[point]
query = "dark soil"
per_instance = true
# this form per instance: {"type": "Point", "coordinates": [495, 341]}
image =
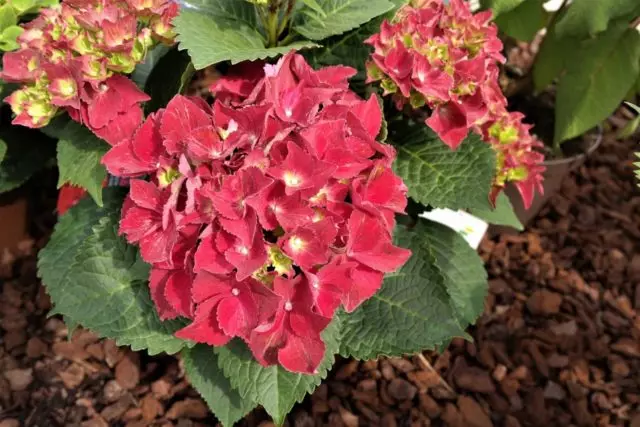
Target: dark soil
{"type": "Point", "coordinates": [558, 344]}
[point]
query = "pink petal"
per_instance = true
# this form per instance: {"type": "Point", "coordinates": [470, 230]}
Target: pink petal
{"type": "Point", "coordinates": [238, 314]}
{"type": "Point", "coordinates": [209, 259]}
{"type": "Point", "coordinates": [449, 122]}
{"type": "Point", "coordinates": [205, 328]}
{"type": "Point", "coordinates": [157, 281]}
{"type": "Point", "coordinates": [301, 354]}
{"type": "Point", "coordinates": [370, 114]}
{"type": "Point", "coordinates": [177, 291]}
{"type": "Point", "coordinates": [366, 282]}
{"type": "Point", "coordinates": [181, 117]}
{"type": "Point", "coordinates": [369, 244]}
{"type": "Point", "coordinates": [146, 195]}
{"type": "Point", "coordinates": [138, 223]}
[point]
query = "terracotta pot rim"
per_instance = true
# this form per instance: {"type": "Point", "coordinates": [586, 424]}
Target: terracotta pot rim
{"type": "Point", "coordinates": [595, 143]}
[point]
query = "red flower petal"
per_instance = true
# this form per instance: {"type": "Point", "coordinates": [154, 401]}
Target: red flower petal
{"type": "Point", "coordinates": [181, 117]}
{"type": "Point", "coordinates": [368, 244]}
{"type": "Point", "coordinates": [205, 328]}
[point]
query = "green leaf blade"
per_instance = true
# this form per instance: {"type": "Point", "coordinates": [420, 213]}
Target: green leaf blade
{"type": "Point", "coordinates": [201, 366]}
{"type": "Point", "coordinates": [143, 70]}
{"type": "Point", "coordinates": [588, 17]}
{"type": "Point", "coordinates": [498, 7]}
{"type": "Point", "coordinates": [503, 214]}
{"type": "Point", "coordinates": [79, 155]}
{"type": "Point", "coordinates": [27, 151]}
{"type": "Point", "coordinates": [339, 16]}
{"type": "Point", "coordinates": [104, 288]}
{"type": "Point", "coordinates": [276, 389]}
{"type": "Point", "coordinates": [554, 55]}
{"type": "Point", "coordinates": [439, 176]}
{"type": "Point", "coordinates": [593, 87]}
{"type": "Point", "coordinates": [171, 76]}
{"type": "Point", "coordinates": [3, 150]}
{"type": "Point", "coordinates": [225, 33]}
{"type": "Point", "coordinates": [524, 21]}
{"type": "Point", "coordinates": [435, 295]}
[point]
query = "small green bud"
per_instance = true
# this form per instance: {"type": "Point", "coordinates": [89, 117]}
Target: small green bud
{"type": "Point", "coordinates": [166, 177]}
{"type": "Point", "coordinates": [417, 100]}
{"type": "Point", "coordinates": [517, 174]}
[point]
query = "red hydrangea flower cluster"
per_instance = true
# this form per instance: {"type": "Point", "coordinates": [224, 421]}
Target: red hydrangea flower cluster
{"type": "Point", "coordinates": [266, 212]}
{"type": "Point", "coordinates": [71, 58]}
{"type": "Point", "coordinates": [444, 57]}
{"type": "Point", "coordinates": [518, 155]}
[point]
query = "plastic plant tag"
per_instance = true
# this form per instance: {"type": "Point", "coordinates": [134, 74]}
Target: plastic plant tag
{"type": "Point", "coordinates": [470, 227]}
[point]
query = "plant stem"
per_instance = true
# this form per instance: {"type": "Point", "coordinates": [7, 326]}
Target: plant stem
{"type": "Point", "coordinates": [263, 19]}
{"type": "Point", "coordinates": [285, 41]}
{"type": "Point", "coordinates": [556, 15]}
{"type": "Point", "coordinates": [556, 149]}
{"type": "Point", "coordinates": [286, 20]}
{"type": "Point", "coordinates": [272, 28]}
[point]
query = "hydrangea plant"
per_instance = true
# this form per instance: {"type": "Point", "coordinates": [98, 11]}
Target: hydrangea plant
{"type": "Point", "coordinates": [11, 13]}
{"type": "Point", "coordinates": [263, 233]}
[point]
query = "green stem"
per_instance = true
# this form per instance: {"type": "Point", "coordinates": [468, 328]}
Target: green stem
{"type": "Point", "coordinates": [286, 20]}
{"type": "Point", "coordinates": [288, 39]}
{"type": "Point", "coordinates": [557, 150]}
{"type": "Point", "coordinates": [187, 76]}
{"type": "Point", "coordinates": [263, 19]}
{"type": "Point", "coordinates": [272, 28]}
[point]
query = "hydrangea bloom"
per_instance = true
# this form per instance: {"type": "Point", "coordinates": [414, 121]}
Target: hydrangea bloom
{"type": "Point", "coordinates": [266, 212]}
{"type": "Point", "coordinates": [518, 155]}
{"type": "Point", "coordinates": [70, 58]}
{"type": "Point", "coordinates": [439, 55]}
{"type": "Point", "coordinates": [444, 57]}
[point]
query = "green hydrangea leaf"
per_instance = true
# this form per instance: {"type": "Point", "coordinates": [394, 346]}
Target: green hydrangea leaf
{"type": "Point", "coordinates": [275, 388]}
{"type": "Point", "coordinates": [554, 55]}
{"type": "Point", "coordinates": [439, 176]}
{"type": "Point", "coordinates": [8, 38]}
{"type": "Point", "coordinates": [27, 151]}
{"type": "Point", "coordinates": [421, 306]}
{"type": "Point", "coordinates": [28, 6]}
{"type": "Point", "coordinates": [464, 274]}
{"type": "Point", "coordinates": [55, 260]}
{"type": "Point", "coordinates": [503, 214]}
{"type": "Point", "coordinates": [346, 49]}
{"type": "Point", "coordinates": [332, 17]}
{"type": "Point", "coordinates": [170, 77]}
{"type": "Point", "coordinates": [79, 155]}
{"type": "Point", "coordinates": [524, 21]}
{"type": "Point", "coordinates": [3, 150]}
{"type": "Point", "coordinates": [143, 70]}
{"type": "Point", "coordinates": [201, 366]}
{"type": "Point", "coordinates": [594, 85]}
{"type": "Point", "coordinates": [588, 17]}
{"type": "Point", "coordinates": [225, 30]}
{"type": "Point", "coordinates": [430, 300]}
{"type": "Point", "coordinates": [8, 17]}
{"type": "Point", "coordinates": [97, 280]}
{"type": "Point", "coordinates": [499, 7]}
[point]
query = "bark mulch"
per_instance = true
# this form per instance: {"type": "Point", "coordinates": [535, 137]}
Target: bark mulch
{"type": "Point", "coordinates": [558, 344]}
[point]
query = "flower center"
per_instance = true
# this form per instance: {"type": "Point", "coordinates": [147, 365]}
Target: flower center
{"type": "Point", "coordinates": [291, 179]}
{"type": "Point", "coordinates": [296, 244]}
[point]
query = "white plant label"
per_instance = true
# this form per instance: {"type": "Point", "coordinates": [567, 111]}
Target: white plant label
{"type": "Point", "coordinates": [470, 227]}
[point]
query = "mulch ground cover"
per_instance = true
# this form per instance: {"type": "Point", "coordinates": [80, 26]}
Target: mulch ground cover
{"type": "Point", "coordinates": [558, 344]}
